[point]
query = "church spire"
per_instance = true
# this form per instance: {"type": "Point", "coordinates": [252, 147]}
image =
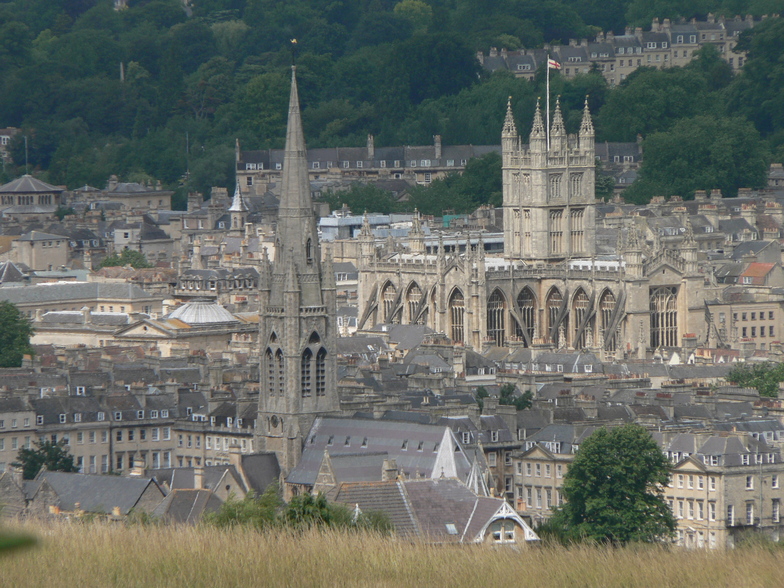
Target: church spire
{"type": "Point", "coordinates": [538, 138]}
{"type": "Point", "coordinates": [296, 233]}
{"type": "Point", "coordinates": [586, 127]}
{"type": "Point", "coordinates": [509, 130]}
{"type": "Point", "coordinates": [587, 136]}
{"type": "Point", "coordinates": [296, 223]}
{"type": "Point", "coordinates": [238, 203]}
{"type": "Point", "coordinates": [558, 128]}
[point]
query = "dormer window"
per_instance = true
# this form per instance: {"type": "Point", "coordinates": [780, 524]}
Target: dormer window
{"type": "Point", "coordinates": [309, 251]}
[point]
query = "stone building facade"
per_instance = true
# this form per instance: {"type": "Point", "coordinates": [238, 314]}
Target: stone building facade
{"type": "Point", "coordinates": [550, 289]}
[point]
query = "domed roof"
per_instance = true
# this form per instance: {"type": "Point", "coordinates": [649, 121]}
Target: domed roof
{"type": "Point", "coordinates": [202, 312]}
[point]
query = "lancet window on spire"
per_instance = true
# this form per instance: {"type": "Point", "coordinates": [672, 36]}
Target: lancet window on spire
{"type": "Point", "coordinates": [272, 380]}
{"type": "Point", "coordinates": [321, 372]}
{"type": "Point", "coordinates": [305, 372]}
{"type": "Point", "coordinates": [280, 364]}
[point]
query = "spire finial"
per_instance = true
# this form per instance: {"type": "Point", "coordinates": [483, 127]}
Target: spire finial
{"type": "Point", "coordinates": [538, 127]}
{"type": "Point", "coordinates": [558, 123]}
{"type": "Point", "coordinates": [509, 130]}
{"type": "Point", "coordinates": [586, 127]}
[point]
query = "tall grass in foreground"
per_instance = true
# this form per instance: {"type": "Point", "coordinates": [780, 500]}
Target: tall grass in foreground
{"type": "Point", "coordinates": [85, 555]}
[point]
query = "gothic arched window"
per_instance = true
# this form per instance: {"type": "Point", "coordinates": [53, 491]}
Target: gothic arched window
{"type": "Point", "coordinates": [280, 364]}
{"type": "Point", "coordinates": [554, 302]}
{"type": "Point", "coordinates": [556, 231]}
{"type": "Point", "coordinates": [305, 368]}
{"type": "Point", "coordinates": [664, 317]}
{"type": "Point", "coordinates": [606, 309]}
{"type": "Point", "coordinates": [413, 298]}
{"type": "Point", "coordinates": [309, 251]}
{"type": "Point", "coordinates": [388, 295]}
{"type": "Point", "coordinates": [457, 316]}
{"type": "Point", "coordinates": [272, 379]}
{"type": "Point", "coordinates": [579, 308]}
{"type": "Point", "coordinates": [526, 305]}
{"type": "Point", "coordinates": [576, 230]}
{"type": "Point", "coordinates": [321, 372]}
{"type": "Point", "coordinates": [496, 309]}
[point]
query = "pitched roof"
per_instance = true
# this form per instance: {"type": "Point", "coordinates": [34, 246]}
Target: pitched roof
{"type": "Point", "coordinates": [187, 506]}
{"type": "Point", "coordinates": [27, 184]}
{"type": "Point", "coordinates": [96, 493]}
{"type": "Point", "coordinates": [386, 497]}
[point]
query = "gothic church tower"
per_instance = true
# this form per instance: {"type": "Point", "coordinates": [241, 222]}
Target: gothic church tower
{"type": "Point", "coordinates": [297, 326]}
{"type": "Point", "coordinates": [549, 210]}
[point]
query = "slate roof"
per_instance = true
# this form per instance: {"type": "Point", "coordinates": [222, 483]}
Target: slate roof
{"type": "Point", "coordinates": [95, 493]}
{"type": "Point", "coordinates": [358, 467]}
{"type": "Point", "coordinates": [261, 470]}
{"type": "Point", "coordinates": [27, 184]}
{"type": "Point", "coordinates": [187, 506]}
{"type": "Point", "coordinates": [386, 497]}
{"type": "Point", "coordinates": [342, 436]}
{"type": "Point", "coordinates": [67, 291]}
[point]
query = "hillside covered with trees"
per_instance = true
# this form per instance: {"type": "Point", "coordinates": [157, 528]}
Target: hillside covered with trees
{"type": "Point", "coordinates": [159, 90]}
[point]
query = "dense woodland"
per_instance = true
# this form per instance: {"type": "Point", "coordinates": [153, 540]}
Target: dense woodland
{"type": "Point", "coordinates": [155, 91]}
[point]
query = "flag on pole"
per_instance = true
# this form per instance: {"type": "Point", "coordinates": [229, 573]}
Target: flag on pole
{"type": "Point", "coordinates": [553, 64]}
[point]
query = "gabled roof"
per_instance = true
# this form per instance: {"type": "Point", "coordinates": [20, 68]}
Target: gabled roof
{"type": "Point", "coordinates": [187, 506]}
{"type": "Point", "coordinates": [99, 494]}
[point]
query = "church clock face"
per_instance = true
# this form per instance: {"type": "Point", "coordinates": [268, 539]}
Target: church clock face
{"type": "Point", "coordinates": [274, 421]}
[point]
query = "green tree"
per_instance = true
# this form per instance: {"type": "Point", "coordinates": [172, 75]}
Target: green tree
{"type": "Point", "coordinates": [135, 259]}
{"type": "Point", "coordinates": [509, 397]}
{"type": "Point", "coordinates": [362, 197]}
{"type": "Point", "coordinates": [52, 455]}
{"type": "Point", "coordinates": [259, 512]}
{"type": "Point", "coordinates": [765, 377]}
{"type": "Point", "coordinates": [15, 332]}
{"type": "Point", "coordinates": [480, 395]}
{"type": "Point", "coordinates": [651, 100]}
{"type": "Point", "coordinates": [701, 153]}
{"type": "Point", "coordinates": [481, 180]}
{"type": "Point", "coordinates": [416, 12]}
{"type": "Point", "coordinates": [614, 489]}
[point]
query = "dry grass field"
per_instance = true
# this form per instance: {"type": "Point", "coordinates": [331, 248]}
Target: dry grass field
{"type": "Point", "coordinates": [86, 555]}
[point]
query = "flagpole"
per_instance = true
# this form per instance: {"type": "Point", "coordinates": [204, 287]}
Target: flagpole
{"type": "Point", "coordinates": [547, 104]}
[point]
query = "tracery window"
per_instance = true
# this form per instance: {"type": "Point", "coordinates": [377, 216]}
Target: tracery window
{"type": "Point", "coordinates": [457, 316]}
{"type": "Point", "coordinates": [496, 309]}
{"type": "Point", "coordinates": [664, 317]}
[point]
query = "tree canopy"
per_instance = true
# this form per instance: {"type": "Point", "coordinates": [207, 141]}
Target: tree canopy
{"type": "Point", "coordinates": [99, 92]}
{"type": "Point", "coordinates": [136, 259]}
{"type": "Point", "coordinates": [614, 489]}
{"type": "Point", "coordinates": [15, 332]}
{"type": "Point", "coordinates": [765, 377]}
{"type": "Point", "coordinates": [304, 511]}
{"type": "Point", "coordinates": [54, 456]}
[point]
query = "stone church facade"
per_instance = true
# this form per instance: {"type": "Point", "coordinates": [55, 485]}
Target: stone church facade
{"type": "Point", "coordinates": [550, 289]}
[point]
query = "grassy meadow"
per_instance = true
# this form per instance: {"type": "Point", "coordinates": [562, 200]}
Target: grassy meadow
{"type": "Point", "coordinates": [86, 555]}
